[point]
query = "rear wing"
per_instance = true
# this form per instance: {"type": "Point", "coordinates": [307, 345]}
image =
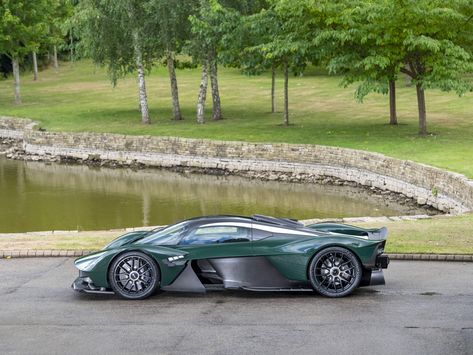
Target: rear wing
{"type": "Point", "coordinates": [340, 228]}
{"type": "Point", "coordinates": [378, 234]}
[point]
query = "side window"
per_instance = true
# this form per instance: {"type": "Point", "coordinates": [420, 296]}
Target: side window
{"type": "Point", "coordinates": [259, 234]}
{"type": "Point", "coordinates": [217, 234]}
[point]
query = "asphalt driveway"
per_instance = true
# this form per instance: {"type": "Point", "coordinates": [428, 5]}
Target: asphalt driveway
{"type": "Point", "coordinates": [425, 308]}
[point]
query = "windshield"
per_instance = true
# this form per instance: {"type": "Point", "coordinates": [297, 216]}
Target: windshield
{"type": "Point", "coordinates": [166, 236]}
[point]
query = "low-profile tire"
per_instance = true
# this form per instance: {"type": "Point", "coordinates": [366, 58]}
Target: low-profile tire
{"type": "Point", "coordinates": [335, 272]}
{"type": "Point", "coordinates": [134, 275]}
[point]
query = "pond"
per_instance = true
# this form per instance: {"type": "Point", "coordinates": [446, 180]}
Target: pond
{"type": "Point", "coordinates": [37, 197]}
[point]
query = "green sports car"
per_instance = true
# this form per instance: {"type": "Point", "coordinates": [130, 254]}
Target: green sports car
{"type": "Point", "coordinates": [257, 253]}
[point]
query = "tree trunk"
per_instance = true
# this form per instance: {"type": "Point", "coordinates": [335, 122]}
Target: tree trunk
{"type": "Point", "coordinates": [422, 113]}
{"type": "Point", "coordinates": [55, 63]}
{"type": "Point", "coordinates": [143, 98]}
{"type": "Point", "coordinates": [176, 109]}
{"type": "Point", "coordinates": [286, 94]}
{"type": "Point", "coordinates": [16, 79]}
{"type": "Point", "coordinates": [216, 107]}
{"type": "Point", "coordinates": [202, 95]}
{"type": "Point", "coordinates": [392, 103]}
{"type": "Point", "coordinates": [71, 46]}
{"type": "Point", "coordinates": [273, 88]}
{"type": "Point", "coordinates": [35, 67]}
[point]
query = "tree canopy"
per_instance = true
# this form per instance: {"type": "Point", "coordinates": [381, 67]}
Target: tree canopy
{"type": "Point", "coordinates": [368, 43]}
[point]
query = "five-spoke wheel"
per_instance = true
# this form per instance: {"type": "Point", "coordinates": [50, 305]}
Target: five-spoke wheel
{"type": "Point", "coordinates": [134, 275]}
{"type": "Point", "coordinates": [335, 272]}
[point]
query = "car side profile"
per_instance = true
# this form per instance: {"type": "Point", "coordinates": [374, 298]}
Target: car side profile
{"type": "Point", "coordinates": [257, 253]}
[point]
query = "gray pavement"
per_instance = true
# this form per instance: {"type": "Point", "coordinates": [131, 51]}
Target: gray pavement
{"type": "Point", "coordinates": [425, 308]}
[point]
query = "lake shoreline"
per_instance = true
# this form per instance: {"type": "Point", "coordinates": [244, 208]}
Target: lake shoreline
{"type": "Point", "coordinates": [13, 150]}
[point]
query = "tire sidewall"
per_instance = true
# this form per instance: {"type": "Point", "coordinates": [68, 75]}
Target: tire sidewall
{"type": "Point", "coordinates": [155, 270]}
{"type": "Point", "coordinates": [321, 290]}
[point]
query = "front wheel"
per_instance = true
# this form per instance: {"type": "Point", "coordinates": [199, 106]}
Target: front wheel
{"type": "Point", "coordinates": [134, 275]}
{"type": "Point", "coordinates": [335, 272]}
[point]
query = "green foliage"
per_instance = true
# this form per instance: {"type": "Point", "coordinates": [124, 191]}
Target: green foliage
{"type": "Point", "coordinates": [206, 30]}
{"type": "Point", "coordinates": [23, 25]}
{"type": "Point", "coordinates": [110, 32]}
{"type": "Point", "coordinates": [170, 22]}
{"type": "Point", "coordinates": [275, 40]}
{"type": "Point", "coordinates": [373, 41]}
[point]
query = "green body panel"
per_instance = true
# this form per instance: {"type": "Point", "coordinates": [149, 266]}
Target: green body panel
{"type": "Point", "coordinates": [289, 254]}
{"type": "Point", "coordinates": [99, 273]}
{"type": "Point", "coordinates": [292, 255]}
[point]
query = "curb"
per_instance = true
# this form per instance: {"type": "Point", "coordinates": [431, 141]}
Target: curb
{"type": "Point", "coordinates": [31, 253]}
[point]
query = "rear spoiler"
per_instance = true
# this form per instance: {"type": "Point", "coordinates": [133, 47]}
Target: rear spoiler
{"type": "Point", "coordinates": [378, 234]}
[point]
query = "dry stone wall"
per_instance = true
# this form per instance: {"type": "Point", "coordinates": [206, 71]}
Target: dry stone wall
{"type": "Point", "coordinates": [444, 190]}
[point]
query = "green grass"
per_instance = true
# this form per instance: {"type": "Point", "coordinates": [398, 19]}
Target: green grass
{"type": "Point", "coordinates": [440, 235]}
{"type": "Point", "coordinates": [80, 98]}
{"type": "Point", "coordinates": [443, 235]}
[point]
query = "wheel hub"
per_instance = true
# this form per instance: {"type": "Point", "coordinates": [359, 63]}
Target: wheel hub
{"type": "Point", "coordinates": [335, 271]}
{"type": "Point", "coordinates": [134, 275]}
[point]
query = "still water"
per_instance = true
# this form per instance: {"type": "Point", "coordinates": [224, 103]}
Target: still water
{"type": "Point", "coordinates": [36, 197]}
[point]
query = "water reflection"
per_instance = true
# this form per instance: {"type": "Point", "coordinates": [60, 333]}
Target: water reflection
{"type": "Point", "coordinates": [37, 196]}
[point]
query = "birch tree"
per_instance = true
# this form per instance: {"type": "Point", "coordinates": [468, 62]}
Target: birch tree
{"type": "Point", "coordinates": [115, 33]}
{"type": "Point", "coordinates": [205, 39]}
{"type": "Point", "coordinates": [22, 26]}
{"type": "Point", "coordinates": [171, 28]}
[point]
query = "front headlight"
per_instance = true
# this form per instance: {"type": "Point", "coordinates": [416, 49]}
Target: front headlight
{"type": "Point", "coordinates": [87, 263]}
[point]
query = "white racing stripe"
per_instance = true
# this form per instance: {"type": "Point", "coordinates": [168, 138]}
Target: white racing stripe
{"type": "Point", "coordinates": [270, 229]}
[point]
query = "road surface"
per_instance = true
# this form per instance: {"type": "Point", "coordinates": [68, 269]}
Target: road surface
{"type": "Point", "coordinates": [425, 308]}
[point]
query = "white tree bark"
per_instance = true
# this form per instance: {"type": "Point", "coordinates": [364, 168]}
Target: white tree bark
{"type": "Point", "coordinates": [16, 79]}
{"type": "Point", "coordinates": [35, 67]}
{"type": "Point", "coordinates": [216, 106]}
{"type": "Point", "coordinates": [55, 62]}
{"type": "Point", "coordinates": [143, 97]}
{"type": "Point", "coordinates": [176, 109]}
{"type": "Point", "coordinates": [202, 95]}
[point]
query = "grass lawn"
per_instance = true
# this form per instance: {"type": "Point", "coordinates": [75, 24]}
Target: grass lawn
{"type": "Point", "coordinates": [453, 235]}
{"type": "Point", "coordinates": [80, 98]}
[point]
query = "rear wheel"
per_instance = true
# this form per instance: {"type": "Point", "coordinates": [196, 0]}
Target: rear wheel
{"type": "Point", "coordinates": [134, 275]}
{"type": "Point", "coordinates": [335, 272]}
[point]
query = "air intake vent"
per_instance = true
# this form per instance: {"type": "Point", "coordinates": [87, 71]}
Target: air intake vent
{"type": "Point", "coordinates": [278, 221]}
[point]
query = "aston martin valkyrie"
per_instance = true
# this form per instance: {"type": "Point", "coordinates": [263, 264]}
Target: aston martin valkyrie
{"type": "Point", "coordinates": [257, 253]}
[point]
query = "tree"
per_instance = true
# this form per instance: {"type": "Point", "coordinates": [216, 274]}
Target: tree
{"type": "Point", "coordinates": [22, 26]}
{"type": "Point", "coordinates": [242, 35]}
{"type": "Point", "coordinates": [172, 29]}
{"type": "Point", "coordinates": [280, 45]}
{"type": "Point", "coordinates": [373, 41]}
{"type": "Point", "coordinates": [204, 43]}
{"type": "Point", "coordinates": [62, 11]}
{"type": "Point", "coordinates": [436, 48]}
{"type": "Point", "coordinates": [354, 47]}
{"type": "Point", "coordinates": [116, 33]}
{"type": "Point", "coordinates": [69, 30]}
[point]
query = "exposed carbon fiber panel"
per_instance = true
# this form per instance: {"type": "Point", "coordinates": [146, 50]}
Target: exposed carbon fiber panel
{"type": "Point", "coordinates": [250, 272]}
